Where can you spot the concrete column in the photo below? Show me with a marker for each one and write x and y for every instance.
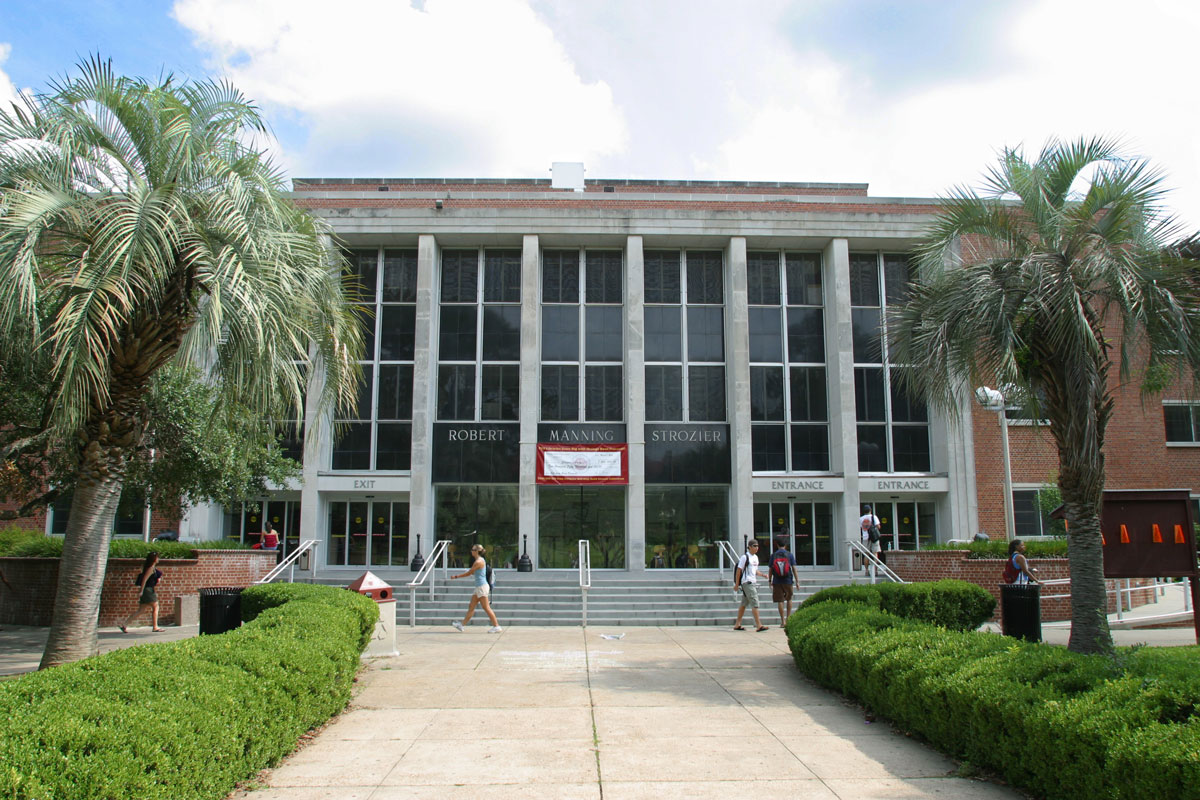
(420, 497)
(318, 450)
(737, 381)
(839, 370)
(635, 403)
(531, 360)
(958, 518)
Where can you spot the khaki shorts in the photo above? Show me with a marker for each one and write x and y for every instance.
(749, 595)
(781, 592)
(481, 591)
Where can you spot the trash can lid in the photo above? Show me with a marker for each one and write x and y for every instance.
(212, 590)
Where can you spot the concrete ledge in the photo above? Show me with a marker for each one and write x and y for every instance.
(187, 609)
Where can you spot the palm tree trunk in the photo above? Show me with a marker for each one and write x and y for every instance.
(1089, 599)
(81, 570)
(1079, 434)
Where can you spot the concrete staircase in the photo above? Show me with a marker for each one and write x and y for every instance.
(654, 598)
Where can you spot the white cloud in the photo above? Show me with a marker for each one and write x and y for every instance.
(1110, 71)
(479, 87)
(8, 91)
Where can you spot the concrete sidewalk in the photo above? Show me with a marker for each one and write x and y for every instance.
(565, 713)
(21, 646)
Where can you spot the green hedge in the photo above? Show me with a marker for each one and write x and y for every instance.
(956, 605)
(1059, 724)
(42, 546)
(186, 719)
(998, 548)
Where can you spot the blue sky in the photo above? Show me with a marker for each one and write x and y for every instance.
(910, 97)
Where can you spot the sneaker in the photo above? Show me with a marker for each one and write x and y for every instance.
(494, 629)
(457, 624)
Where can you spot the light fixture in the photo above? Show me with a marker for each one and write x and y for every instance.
(437, 204)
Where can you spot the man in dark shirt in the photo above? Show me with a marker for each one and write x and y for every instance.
(781, 585)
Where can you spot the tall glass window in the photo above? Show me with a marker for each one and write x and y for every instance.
(683, 525)
(789, 411)
(685, 336)
(567, 514)
(470, 515)
(893, 428)
(583, 347)
(479, 335)
(377, 432)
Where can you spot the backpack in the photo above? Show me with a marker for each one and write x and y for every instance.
(490, 575)
(1011, 573)
(781, 566)
(739, 571)
(873, 534)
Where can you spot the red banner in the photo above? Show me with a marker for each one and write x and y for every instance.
(582, 464)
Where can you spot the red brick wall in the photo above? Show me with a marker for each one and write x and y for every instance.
(936, 565)
(28, 593)
(1135, 454)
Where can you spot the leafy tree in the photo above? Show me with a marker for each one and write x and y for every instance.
(140, 228)
(1058, 271)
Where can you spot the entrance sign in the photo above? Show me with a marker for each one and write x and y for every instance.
(582, 464)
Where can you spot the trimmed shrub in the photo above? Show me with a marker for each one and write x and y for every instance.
(42, 546)
(952, 604)
(998, 548)
(11, 537)
(1057, 723)
(185, 719)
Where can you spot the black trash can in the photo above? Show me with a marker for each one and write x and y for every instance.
(1021, 611)
(220, 609)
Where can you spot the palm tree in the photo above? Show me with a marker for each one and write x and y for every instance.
(1056, 273)
(139, 227)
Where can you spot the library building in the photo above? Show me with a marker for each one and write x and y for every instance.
(656, 367)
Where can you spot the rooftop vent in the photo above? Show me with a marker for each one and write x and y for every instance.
(567, 175)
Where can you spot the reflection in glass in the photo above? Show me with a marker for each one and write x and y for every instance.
(486, 515)
(568, 514)
(683, 524)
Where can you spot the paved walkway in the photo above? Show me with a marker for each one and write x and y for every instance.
(567, 714)
(21, 646)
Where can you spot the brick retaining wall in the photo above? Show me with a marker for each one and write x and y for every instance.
(935, 565)
(31, 584)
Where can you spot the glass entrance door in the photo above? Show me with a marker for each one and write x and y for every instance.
(906, 524)
(807, 526)
(244, 523)
(367, 533)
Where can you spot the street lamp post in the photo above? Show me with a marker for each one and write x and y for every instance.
(993, 400)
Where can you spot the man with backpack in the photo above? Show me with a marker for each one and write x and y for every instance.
(868, 525)
(744, 576)
(783, 576)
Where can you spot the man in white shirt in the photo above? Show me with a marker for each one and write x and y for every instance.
(867, 521)
(744, 576)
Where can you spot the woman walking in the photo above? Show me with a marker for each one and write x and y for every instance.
(480, 596)
(146, 582)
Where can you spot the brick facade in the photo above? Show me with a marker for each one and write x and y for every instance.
(936, 565)
(30, 584)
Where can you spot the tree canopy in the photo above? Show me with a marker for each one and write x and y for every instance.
(140, 227)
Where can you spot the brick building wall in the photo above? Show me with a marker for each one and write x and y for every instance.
(1135, 452)
(936, 565)
(29, 589)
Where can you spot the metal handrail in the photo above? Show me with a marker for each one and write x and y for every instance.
(585, 574)
(427, 572)
(290, 563)
(876, 564)
(725, 550)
